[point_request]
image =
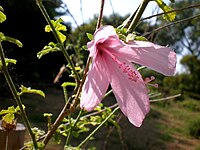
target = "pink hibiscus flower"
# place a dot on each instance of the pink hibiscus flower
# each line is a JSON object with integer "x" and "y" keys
{"x": 112, "y": 64}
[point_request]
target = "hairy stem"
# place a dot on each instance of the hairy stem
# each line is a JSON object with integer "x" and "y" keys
{"x": 16, "y": 96}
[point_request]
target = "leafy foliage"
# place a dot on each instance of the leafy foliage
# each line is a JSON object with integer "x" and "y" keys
{"x": 31, "y": 91}
{"x": 168, "y": 16}
{"x": 2, "y": 15}
{"x": 58, "y": 27}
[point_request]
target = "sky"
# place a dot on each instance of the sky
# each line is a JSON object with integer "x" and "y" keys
{"x": 84, "y": 10}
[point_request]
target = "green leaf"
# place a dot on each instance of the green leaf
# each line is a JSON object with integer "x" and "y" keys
{"x": 65, "y": 84}
{"x": 90, "y": 36}
{"x": 31, "y": 91}
{"x": 47, "y": 114}
{"x": 58, "y": 27}
{"x": 10, "y": 109}
{"x": 61, "y": 36}
{"x": 17, "y": 109}
{"x": 2, "y": 15}
{"x": 132, "y": 37}
{"x": 168, "y": 16}
{"x": 8, "y": 61}
{"x": 9, "y": 118}
{"x": 9, "y": 39}
{"x": 51, "y": 47}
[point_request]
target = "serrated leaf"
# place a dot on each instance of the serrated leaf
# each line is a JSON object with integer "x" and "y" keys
{"x": 167, "y": 16}
{"x": 51, "y": 47}
{"x": 90, "y": 36}
{"x": 65, "y": 84}
{"x": 31, "y": 91}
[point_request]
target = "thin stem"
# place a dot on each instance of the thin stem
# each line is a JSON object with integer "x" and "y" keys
{"x": 46, "y": 16}
{"x": 174, "y": 10}
{"x": 73, "y": 126}
{"x": 100, "y": 125}
{"x": 7, "y": 139}
{"x": 128, "y": 20}
{"x": 138, "y": 15}
{"x": 166, "y": 98}
{"x": 15, "y": 95}
{"x": 69, "y": 109}
{"x": 100, "y": 14}
{"x": 170, "y": 24}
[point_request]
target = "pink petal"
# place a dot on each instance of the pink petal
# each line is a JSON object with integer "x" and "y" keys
{"x": 131, "y": 95}
{"x": 158, "y": 58}
{"x": 95, "y": 86}
{"x": 104, "y": 32}
{"x": 101, "y": 35}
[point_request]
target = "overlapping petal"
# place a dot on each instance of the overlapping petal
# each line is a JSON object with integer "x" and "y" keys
{"x": 95, "y": 85}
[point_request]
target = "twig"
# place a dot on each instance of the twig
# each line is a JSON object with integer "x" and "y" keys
{"x": 174, "y": 10}
{"x": 166, "y": 98}
{"x": 170, "y": 24}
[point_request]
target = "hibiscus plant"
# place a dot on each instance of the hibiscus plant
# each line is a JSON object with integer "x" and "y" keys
{"x": 116, "y": 56}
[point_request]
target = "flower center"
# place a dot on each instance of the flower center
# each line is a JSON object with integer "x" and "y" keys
{"x": 126, "y": 68}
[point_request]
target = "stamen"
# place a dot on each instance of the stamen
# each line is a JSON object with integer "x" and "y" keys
{"x": 132, "y": 75}
{"x": 149, "y": 79}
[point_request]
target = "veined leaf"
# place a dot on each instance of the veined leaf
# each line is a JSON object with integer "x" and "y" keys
{"x": 168, "y": 16}
{"x": 2, "y": 15}
{"x": 51, "y": 47}
{"x": 32, "y": 91}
